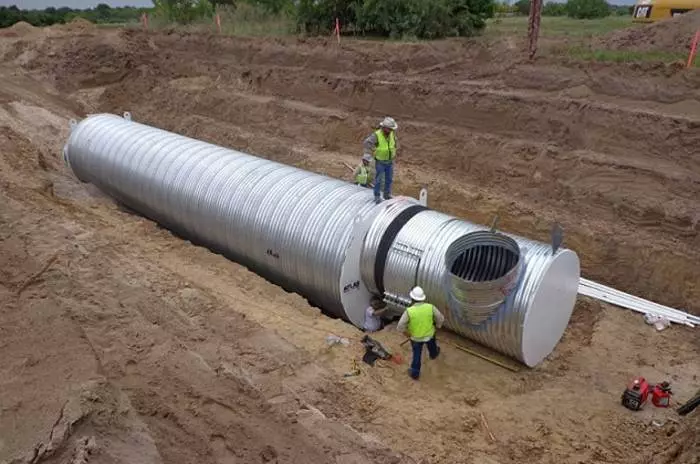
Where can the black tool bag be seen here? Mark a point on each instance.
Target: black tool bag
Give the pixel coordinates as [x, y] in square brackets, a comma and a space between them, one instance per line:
[374, 350]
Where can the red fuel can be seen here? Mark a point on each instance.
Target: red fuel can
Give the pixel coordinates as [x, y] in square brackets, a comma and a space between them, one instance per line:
[661, 395]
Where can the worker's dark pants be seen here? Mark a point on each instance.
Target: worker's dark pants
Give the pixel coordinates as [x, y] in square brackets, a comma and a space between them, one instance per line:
[385, 173]
[433, 351]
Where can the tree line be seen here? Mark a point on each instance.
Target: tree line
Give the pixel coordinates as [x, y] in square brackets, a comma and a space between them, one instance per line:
[422, 19]
[102, 13]
[579, 9]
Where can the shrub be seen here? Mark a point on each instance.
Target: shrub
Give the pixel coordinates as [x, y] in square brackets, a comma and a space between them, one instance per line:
[399, 18]
[587, 9]
[554, 9]
[254, 19]
[184, 11]
[523, 7]
[423, 19]
[504, 8]
[318, 16]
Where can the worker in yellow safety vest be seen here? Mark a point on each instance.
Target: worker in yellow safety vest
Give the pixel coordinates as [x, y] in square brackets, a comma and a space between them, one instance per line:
[362, 172]
[419, 322]
[382, 144]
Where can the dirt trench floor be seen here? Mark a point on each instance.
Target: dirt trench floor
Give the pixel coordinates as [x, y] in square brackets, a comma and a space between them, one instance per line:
[121, 343]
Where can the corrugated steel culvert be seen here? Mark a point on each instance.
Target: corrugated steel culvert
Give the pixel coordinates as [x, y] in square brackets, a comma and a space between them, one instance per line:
[326, 239]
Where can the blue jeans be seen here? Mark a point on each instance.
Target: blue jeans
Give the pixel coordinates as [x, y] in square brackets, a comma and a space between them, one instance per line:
[385, 172]
[433, 351]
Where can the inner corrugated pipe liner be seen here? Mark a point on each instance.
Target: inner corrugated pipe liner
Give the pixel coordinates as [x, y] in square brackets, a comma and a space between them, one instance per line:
[484, 268]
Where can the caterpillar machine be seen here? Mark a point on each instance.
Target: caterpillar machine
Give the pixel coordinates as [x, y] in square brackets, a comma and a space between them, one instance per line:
[647, 11]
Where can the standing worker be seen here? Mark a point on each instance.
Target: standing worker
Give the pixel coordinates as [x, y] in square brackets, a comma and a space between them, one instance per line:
[419, 322]
[382, 143]
[362, 174]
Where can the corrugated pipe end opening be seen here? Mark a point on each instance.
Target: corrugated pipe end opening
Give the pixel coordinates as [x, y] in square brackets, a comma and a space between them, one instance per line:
[484, 267]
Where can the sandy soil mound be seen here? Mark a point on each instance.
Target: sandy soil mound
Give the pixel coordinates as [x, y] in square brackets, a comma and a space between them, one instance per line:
[78, 25]
[672, 35]
[22, 27]
[18, 29]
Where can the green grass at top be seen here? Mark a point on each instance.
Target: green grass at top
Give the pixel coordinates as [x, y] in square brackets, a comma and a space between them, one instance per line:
[245, 21]
[553, 26]
[252, 21]
[625, 56]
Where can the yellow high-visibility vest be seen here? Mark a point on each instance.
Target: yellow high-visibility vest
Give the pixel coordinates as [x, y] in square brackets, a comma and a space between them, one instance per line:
[362, 176]
[420, 320]
[386, 148]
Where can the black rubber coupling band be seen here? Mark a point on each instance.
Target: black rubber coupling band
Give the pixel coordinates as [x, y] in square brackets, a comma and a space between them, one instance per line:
[388, 238]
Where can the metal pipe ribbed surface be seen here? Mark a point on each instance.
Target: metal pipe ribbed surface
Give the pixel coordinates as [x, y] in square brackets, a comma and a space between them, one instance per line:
[289, 225]
[326, 239]
[522, 314]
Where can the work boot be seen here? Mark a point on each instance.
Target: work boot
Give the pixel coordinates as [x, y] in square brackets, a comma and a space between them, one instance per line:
[377, 200]
[387, 196]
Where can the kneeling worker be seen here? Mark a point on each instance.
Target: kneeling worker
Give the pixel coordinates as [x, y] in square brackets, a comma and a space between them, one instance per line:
[373, 315]
[362, 172]
[419, 322]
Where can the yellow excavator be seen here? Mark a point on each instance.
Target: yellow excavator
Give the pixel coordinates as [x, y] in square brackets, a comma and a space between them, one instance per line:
[647, 11]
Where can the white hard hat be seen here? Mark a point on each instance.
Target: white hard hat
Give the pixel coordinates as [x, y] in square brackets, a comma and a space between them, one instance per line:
[367, 157]
[417, 294]
[389, 123]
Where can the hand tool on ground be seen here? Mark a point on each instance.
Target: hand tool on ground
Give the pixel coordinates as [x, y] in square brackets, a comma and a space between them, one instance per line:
[374, 350]
[486, 426]
[484, 357]
[354, 371]
[396, 358]
[690, 405]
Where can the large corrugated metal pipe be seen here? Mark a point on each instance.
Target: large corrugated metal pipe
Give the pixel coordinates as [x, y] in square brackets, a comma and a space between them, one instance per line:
[506, 292]
[484, 268]
[327, 240]
[301, 230]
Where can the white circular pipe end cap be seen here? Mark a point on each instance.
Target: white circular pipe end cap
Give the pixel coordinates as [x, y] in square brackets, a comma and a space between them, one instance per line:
[550, 308]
